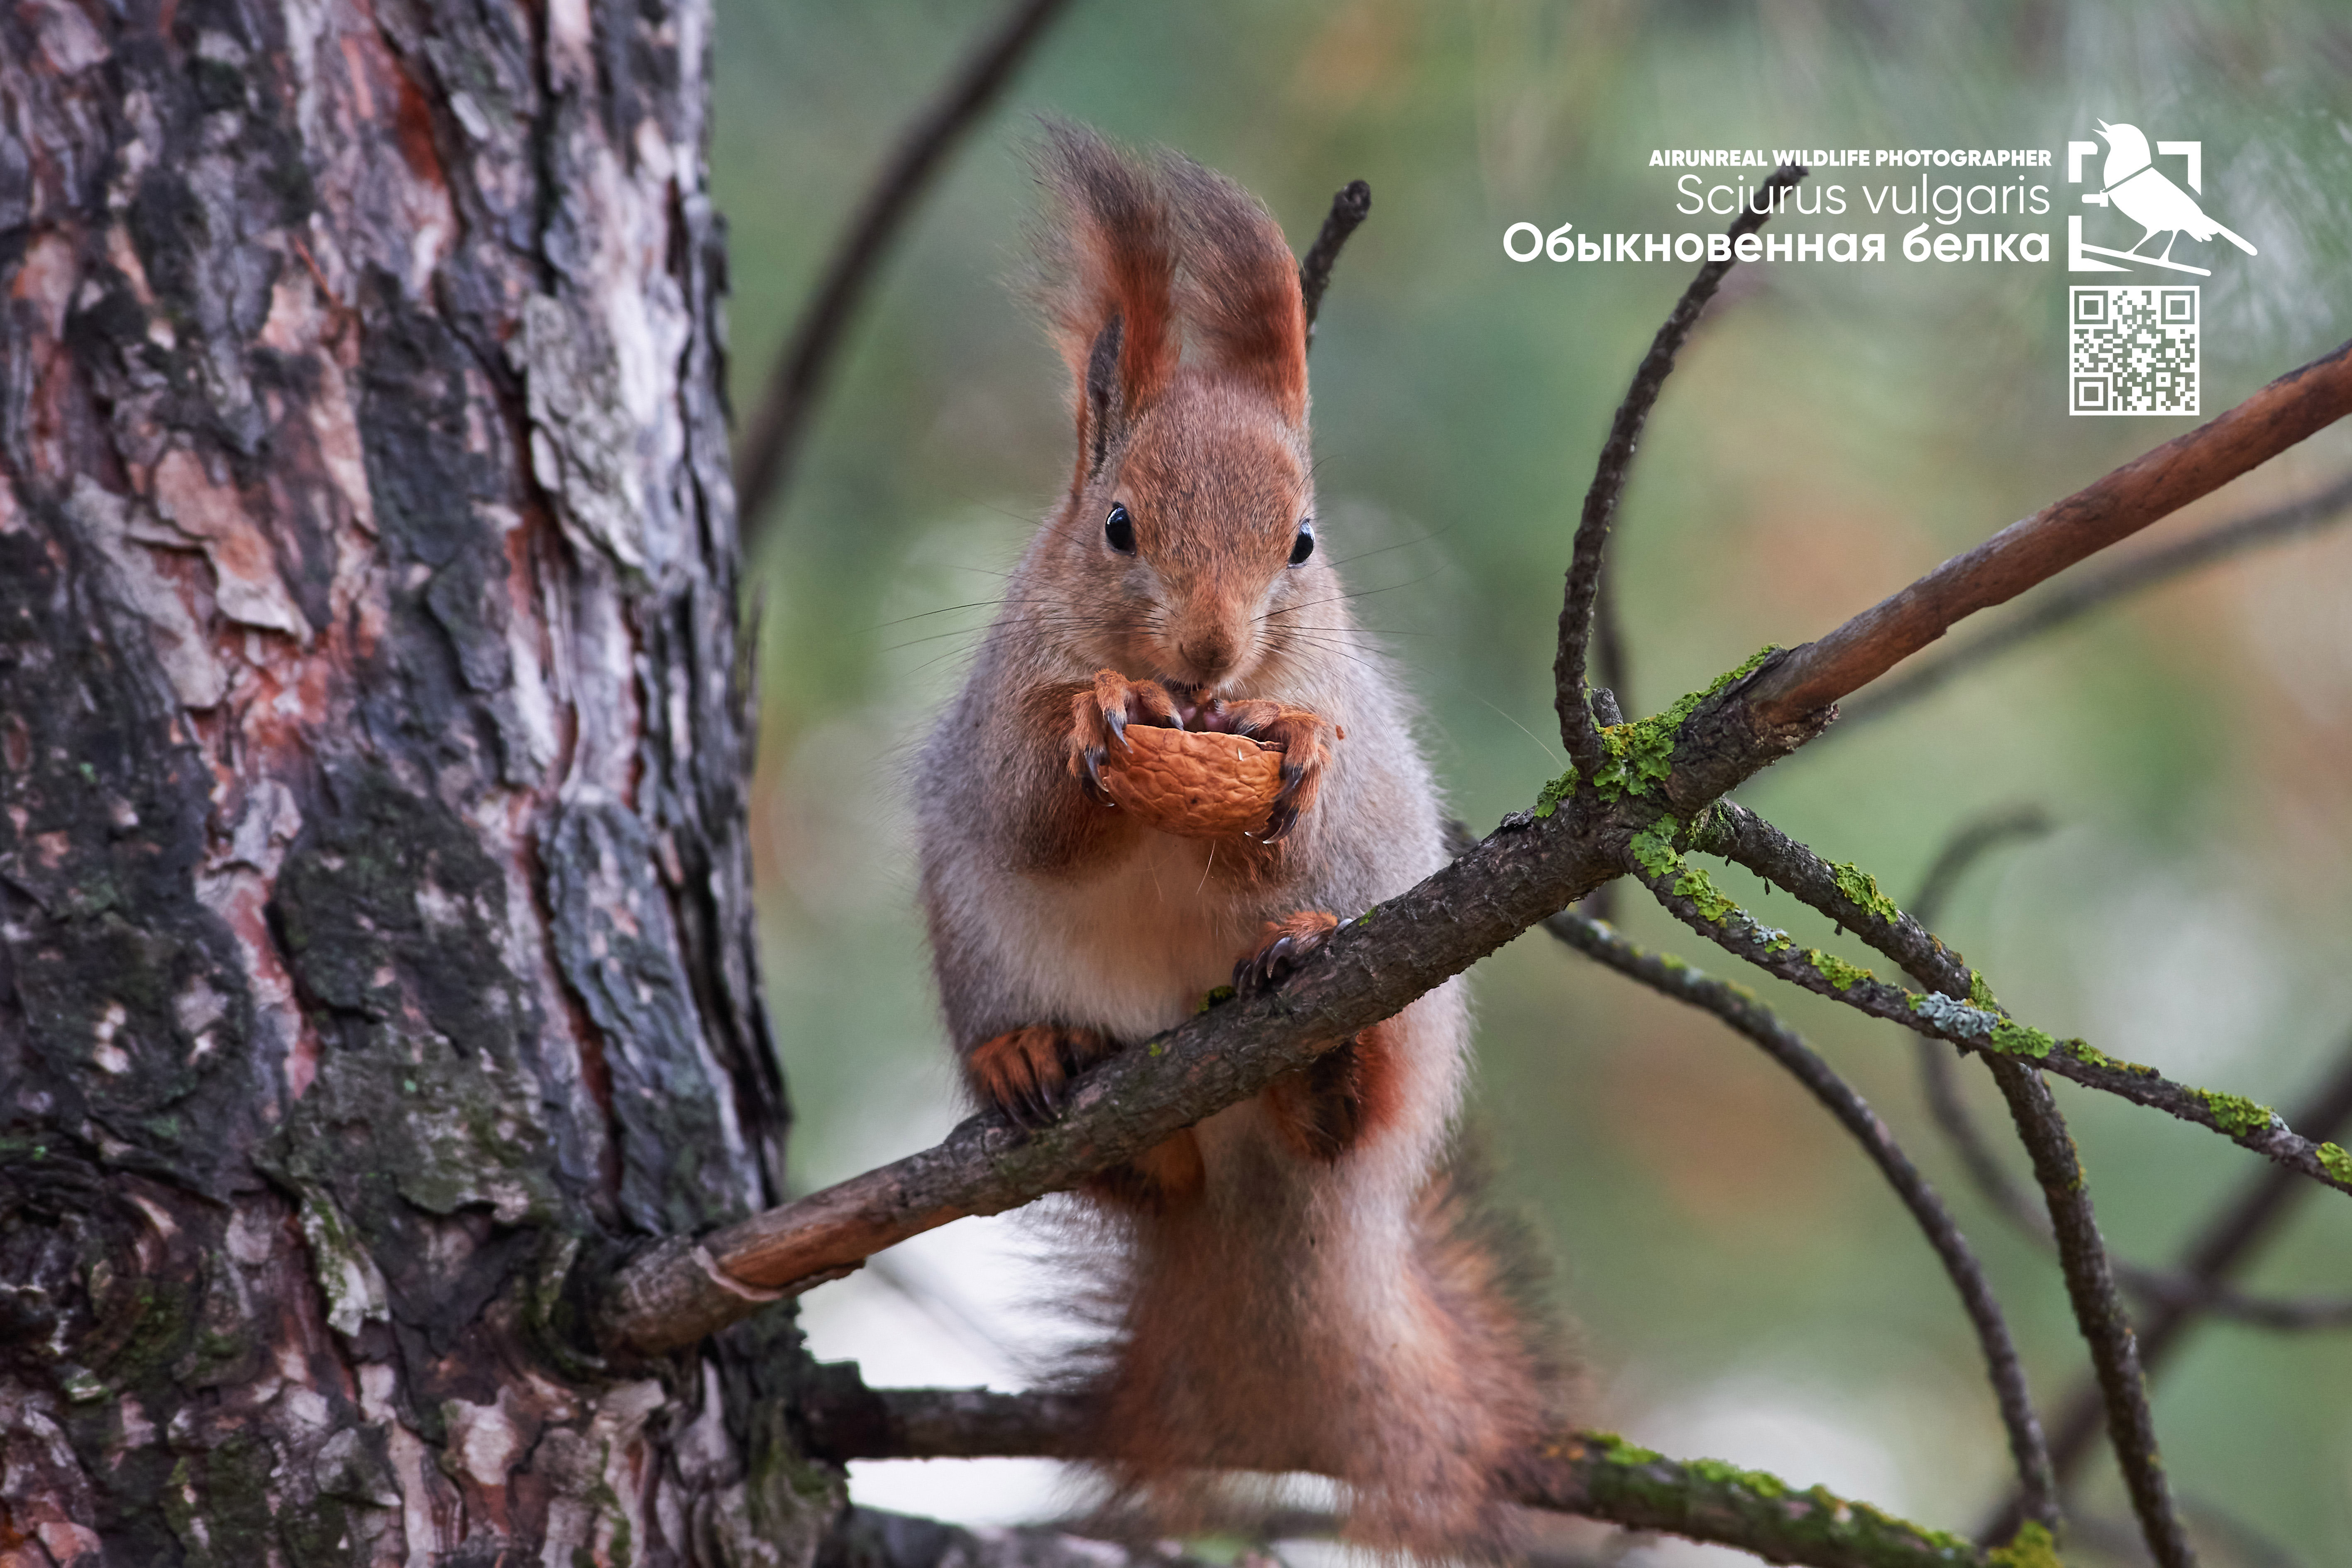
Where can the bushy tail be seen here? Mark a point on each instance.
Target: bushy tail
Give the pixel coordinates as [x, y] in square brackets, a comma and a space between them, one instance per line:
[1404, 1354]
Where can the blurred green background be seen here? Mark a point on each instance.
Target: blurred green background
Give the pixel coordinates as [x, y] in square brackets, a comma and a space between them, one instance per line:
[1744, 1284]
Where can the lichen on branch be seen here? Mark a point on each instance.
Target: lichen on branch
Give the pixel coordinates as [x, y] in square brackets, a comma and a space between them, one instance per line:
[1690, 898]
[1594, 1475]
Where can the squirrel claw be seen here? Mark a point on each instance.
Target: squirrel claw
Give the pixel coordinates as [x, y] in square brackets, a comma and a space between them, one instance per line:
[1025, 1073]
[1100, 713]
[1282, 947]
[1300, 735]
[1302, 739]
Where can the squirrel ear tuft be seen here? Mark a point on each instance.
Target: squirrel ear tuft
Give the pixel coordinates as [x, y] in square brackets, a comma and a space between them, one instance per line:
[1240, 292]
[1107, 280]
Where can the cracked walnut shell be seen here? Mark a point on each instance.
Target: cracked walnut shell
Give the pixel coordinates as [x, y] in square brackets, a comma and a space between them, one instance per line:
[1195, 783]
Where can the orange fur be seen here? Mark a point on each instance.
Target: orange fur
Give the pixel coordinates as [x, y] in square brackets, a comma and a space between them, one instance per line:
[1299, 734]
[1100, 713]
[1023, 1072]
[1109, 282]
[1058, 828]
[1418, 1401]
[1348, 1094]
[1171, 1172]
[1242, 292]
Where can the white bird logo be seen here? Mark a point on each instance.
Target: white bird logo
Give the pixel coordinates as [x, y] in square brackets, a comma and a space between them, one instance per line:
[2138, 189]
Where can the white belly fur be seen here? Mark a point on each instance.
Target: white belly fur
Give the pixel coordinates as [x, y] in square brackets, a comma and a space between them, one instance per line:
[1131, 950]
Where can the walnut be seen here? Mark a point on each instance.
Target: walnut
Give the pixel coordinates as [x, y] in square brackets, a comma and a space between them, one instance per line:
[1192, 783]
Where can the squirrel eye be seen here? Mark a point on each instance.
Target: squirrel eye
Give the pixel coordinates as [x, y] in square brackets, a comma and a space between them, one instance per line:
[1118, 531]
[1304, 545]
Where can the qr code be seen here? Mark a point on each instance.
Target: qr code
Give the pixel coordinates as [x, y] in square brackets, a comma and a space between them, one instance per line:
[2132, 351]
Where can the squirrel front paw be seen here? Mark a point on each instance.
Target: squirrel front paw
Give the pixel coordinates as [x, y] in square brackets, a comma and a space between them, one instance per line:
[1299, 734]
[1099, 718]
[1023, 1073]
[1282, 947]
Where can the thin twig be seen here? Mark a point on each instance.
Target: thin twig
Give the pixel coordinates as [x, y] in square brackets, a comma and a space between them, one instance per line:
[1950, 1113]
[1961, 852]
[1596, 1474]
[2040, 547]
[1350, 205]
[771, 437]
[1852, 898]
[2091, 1287]
[2226, 1239]
[1940, 1083]
[1576, 726]
[2162, 1287]
[1978, 1027]
[1609, 650]
[2176, 1290]
[1267, 1529]
[1609, 707]
[1611, 700]
[2066, 603]
[2232, 1233]
[1750, 1017]
[1752, 842]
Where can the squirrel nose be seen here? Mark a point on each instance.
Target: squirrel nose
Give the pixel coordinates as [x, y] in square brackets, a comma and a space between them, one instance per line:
[1210, 654]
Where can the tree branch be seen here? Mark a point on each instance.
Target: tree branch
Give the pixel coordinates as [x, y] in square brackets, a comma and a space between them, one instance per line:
[2168, 1293]
[2219, 1246]
[1742, 1012]
[1846, 894]
[876, 1537]
[2160, 1287]
[1370, 968]
[1851, 898]
[765, 452]
[1576, 725]
[1350, 205]
[2068, 602]
[2091, 1288]
[1686, 892]
[1596, 1474]
[1939, 1084]
[1609, 653]
[2239, 1227]
[1610, 698]
[2042, 546]
[1965, 848]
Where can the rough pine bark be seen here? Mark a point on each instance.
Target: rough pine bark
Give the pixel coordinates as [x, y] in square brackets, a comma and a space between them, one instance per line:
[375, 933]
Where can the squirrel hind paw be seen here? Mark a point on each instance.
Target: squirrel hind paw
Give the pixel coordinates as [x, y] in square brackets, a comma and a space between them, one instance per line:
[1025, 1072]
[1281, 948]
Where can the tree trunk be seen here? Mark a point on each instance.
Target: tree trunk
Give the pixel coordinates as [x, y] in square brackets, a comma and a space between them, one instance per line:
[375, 924]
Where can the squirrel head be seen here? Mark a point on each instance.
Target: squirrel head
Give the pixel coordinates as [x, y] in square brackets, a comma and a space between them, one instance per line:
[1188, 529]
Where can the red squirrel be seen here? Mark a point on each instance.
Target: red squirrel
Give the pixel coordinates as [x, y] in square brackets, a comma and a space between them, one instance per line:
[1294, 1289]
